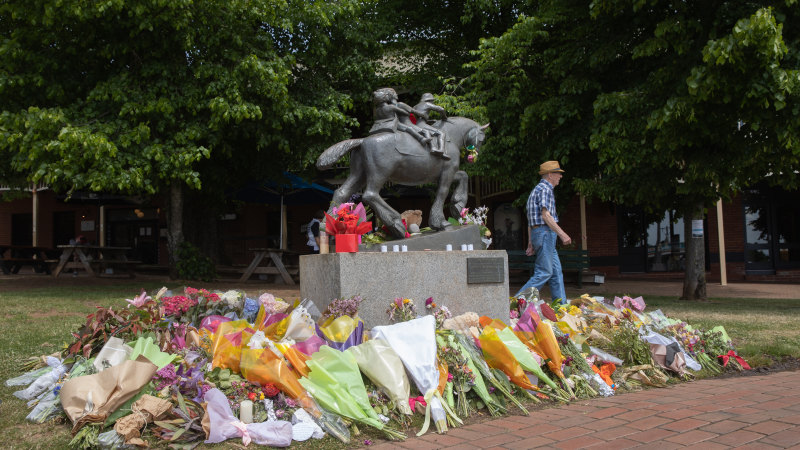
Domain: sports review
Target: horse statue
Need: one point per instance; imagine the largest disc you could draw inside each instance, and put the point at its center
(398, 157)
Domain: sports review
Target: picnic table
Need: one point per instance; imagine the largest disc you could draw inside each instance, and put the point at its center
(95, 260)
(274, 265)
(15, 256)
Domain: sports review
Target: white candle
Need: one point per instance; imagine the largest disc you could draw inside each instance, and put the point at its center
(395, 248)
(246, 411)
(449, 247)
(463, 247)
(384, 249)
(404, 248)
(470, 247)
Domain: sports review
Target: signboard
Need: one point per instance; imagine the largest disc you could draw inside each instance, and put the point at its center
(697, 228)
(485, 270)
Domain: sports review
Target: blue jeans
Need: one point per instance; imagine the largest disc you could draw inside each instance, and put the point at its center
(547, 269)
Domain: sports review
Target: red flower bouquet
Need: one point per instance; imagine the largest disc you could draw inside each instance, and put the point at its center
(347, 224)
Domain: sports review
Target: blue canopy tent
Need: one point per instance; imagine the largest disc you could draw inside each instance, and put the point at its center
(292, 191)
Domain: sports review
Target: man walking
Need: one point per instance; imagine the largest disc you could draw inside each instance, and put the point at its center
(543, 230)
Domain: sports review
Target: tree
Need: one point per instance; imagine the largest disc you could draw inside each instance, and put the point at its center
(159, 96)
(717, 111)
(660, 104)
(427, 42)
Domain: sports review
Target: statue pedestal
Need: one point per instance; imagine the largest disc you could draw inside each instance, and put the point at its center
(474, 281)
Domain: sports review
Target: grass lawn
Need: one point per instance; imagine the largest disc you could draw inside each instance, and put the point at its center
(38, 321)
(762, 330)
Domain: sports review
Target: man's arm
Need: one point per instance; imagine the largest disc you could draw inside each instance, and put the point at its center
(529, 251)
(548, 219)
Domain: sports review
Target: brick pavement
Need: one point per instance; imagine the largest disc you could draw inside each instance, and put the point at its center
(759, 411)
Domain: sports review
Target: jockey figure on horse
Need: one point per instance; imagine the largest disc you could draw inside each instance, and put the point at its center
(392, 116)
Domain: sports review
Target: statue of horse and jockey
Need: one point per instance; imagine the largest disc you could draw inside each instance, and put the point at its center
(403, 152)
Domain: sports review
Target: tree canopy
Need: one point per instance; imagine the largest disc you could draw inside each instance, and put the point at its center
(653, 103)
(642, 100)
(132, 95)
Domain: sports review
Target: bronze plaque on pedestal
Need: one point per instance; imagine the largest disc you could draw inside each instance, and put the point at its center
(485, 270)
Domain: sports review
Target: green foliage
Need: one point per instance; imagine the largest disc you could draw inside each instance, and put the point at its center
(129, 95)
(193, 265)
(641, 101)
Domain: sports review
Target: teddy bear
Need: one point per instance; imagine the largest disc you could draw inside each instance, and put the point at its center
(413, 219)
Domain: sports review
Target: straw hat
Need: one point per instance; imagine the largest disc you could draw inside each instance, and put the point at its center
(549, 167)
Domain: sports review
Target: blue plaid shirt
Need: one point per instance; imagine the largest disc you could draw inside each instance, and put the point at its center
(541, 197)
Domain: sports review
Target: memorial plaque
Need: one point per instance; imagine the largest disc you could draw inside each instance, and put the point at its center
(485, 270)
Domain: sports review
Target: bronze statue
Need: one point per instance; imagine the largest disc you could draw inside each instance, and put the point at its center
(391, 153)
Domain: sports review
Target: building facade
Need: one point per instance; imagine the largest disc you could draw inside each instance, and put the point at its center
(761, 229)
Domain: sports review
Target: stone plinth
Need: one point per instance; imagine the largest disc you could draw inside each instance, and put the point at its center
(463, 281)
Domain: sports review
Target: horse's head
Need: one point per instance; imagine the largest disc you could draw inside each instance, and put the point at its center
(473, 141)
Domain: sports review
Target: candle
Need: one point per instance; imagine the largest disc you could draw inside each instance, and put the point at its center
(449, 247)
(323, 242)
(463, 247)
(395, 248)
(470, 247)
(404, 248)
(384, 249)
(246, 411)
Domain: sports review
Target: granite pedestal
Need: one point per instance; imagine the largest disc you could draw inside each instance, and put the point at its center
(463, 281)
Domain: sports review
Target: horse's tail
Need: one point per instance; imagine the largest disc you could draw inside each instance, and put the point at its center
(329, 157)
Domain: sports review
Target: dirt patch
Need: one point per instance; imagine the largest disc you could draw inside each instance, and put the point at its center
(777, 365)
(52, 313)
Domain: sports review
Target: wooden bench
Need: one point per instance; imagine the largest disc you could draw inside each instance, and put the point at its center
(574, 261)
(571, 261)
(12, 265)
(518, 260)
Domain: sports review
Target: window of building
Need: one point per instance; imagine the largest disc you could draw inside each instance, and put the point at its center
(772, 229)
(652, 243)
(666, 245)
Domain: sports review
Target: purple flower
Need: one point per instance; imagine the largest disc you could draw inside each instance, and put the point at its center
(165, 377)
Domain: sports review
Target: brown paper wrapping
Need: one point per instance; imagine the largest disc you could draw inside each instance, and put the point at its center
(659, 352)
(109, 390)
(143, 411)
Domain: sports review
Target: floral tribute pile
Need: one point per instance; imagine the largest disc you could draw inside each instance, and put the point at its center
(200, 366)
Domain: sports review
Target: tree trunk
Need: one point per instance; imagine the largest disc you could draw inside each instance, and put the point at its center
(174, 225)
(201, 224)
(694, 282)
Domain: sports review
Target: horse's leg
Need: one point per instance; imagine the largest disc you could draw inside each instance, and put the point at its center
(352, 184)
(460, 194)
(437, 220)
(348, 188)
(386, 213)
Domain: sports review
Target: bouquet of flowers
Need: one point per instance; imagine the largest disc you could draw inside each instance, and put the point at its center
(193, 306)
(340, 325)
(383, 367)
(518, 305)
(270, 310)
(347, 220)
(336, 383)
(477, 217)
(401, 310)
(440, 313)
(461, 377)
(414, 342)
(636, 304)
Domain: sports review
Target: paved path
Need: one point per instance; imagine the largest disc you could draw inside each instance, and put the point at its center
(760, 411)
